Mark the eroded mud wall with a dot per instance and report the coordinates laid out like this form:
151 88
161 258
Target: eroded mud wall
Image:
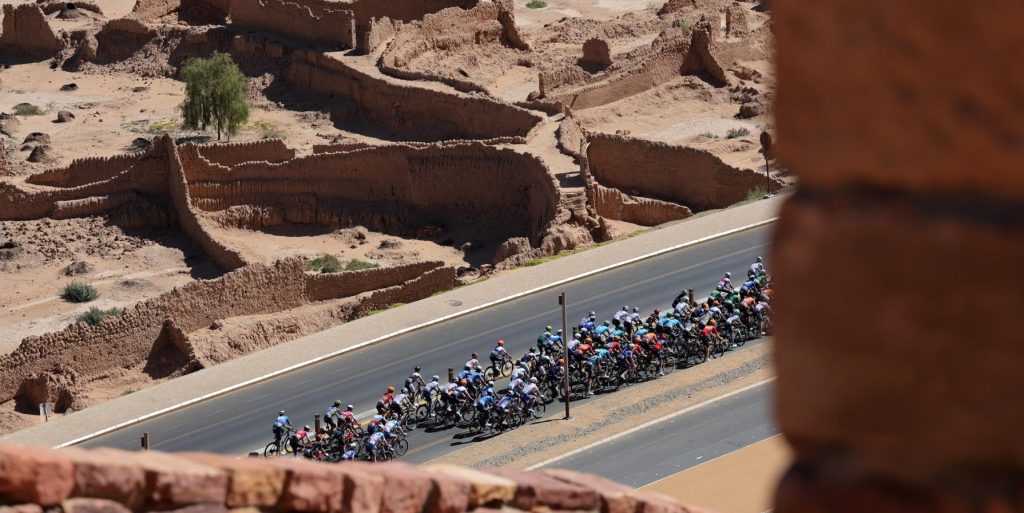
26 34
230 154
412 112
127 340
319 21
694 178
390 188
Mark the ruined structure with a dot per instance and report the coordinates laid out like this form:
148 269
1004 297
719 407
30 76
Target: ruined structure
26 34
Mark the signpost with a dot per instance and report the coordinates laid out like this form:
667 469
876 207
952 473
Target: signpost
766 148
565 349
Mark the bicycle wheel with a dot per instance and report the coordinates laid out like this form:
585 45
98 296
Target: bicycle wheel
539 408
422 413
401 447
468 413
491 373
515 420
506 368
270 450
719 348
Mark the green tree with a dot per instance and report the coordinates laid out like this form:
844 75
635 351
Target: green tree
214 94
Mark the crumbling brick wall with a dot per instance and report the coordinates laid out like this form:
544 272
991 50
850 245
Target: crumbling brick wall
127 340
111 480
26 34
690 177
320 21
903 393
232 154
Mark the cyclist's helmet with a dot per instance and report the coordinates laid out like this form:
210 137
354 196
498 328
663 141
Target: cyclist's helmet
711 322
561 361
435 377
533 350
490 383
728 275
559 332
759 259
306 427
350 407
417 369
378 418
501 342
337 402
475 355
391 389
607 323
533 380
636 310
463 382
548 328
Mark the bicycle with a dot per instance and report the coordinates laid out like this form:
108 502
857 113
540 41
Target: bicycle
274 449
499 369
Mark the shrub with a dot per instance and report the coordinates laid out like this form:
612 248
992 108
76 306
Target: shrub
27 109
267 129
79 292
537 4
324 264
94 315
709 135
164 127
128 391
737 132
214 94
685 26
359 265
756 193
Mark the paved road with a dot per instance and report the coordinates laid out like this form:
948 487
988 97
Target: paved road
240 421
680 443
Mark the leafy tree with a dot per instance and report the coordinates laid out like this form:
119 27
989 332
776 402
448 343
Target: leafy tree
214 94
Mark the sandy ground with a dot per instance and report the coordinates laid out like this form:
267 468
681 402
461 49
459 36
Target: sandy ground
125 266
616 411
346 244
742 481
593 9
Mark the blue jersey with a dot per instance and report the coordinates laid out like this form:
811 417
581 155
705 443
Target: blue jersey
601 330
485 401
282 421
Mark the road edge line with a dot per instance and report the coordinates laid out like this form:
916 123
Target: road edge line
425 324
648 424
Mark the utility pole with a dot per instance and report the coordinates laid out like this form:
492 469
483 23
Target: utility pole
145 441
766 148
565 353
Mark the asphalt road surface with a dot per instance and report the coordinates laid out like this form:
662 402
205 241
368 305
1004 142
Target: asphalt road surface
240 422
677 444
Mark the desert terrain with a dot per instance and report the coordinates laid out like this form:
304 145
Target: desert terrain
421 144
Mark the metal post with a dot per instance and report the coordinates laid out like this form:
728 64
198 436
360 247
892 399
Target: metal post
451 375
689 292
565 350
316 423
768 174
145 441
766 148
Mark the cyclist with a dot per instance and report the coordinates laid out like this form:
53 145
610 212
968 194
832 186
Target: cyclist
474 361
385 401
529 393
375 424
301 438
502 407
725 284
351 452
414 382
757 268
622 315
378 439
398 404
498 354
350 418
750 288
709 336
281 425
484 406
543 339
330 416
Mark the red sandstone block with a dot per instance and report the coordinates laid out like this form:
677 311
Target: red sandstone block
34 475
451 494
196 508
909 359
176 481
22 508
890 112
250 482
406 489
363 492
310 487
537 489
801 493
90 505
615 497
106 476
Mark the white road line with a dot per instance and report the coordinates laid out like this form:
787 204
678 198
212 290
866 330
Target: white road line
421 325
647 424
